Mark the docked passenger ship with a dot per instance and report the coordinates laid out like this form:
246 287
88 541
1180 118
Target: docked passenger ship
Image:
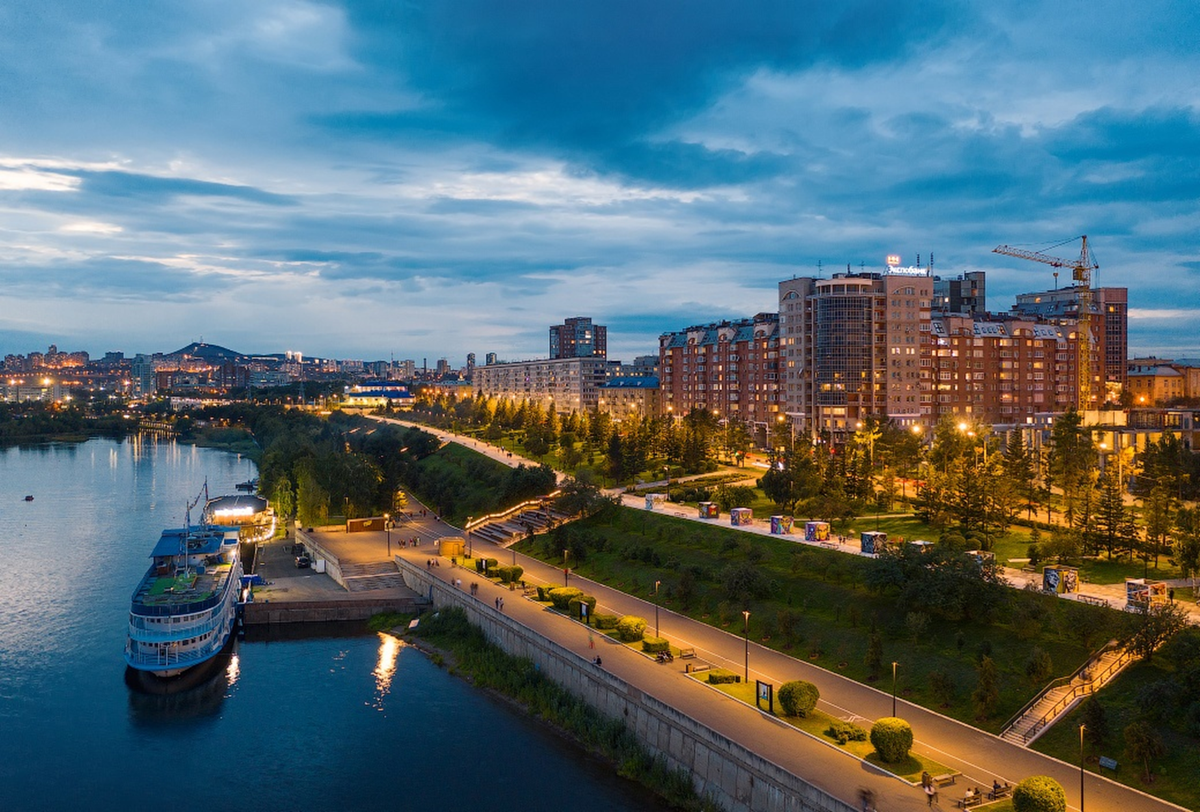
185 608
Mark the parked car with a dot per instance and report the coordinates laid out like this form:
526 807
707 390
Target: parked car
303 561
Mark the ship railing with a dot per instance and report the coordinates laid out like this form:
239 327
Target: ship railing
158 633
171 659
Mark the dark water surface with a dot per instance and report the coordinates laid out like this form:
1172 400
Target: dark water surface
330 720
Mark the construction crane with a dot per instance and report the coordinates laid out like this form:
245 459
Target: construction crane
1081 274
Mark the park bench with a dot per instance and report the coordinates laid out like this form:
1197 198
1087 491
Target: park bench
997 793
973 800
1094 601
529 590
687 653
696 669
945 779
1108 763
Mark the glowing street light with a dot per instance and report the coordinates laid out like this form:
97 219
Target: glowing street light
746 629
894 687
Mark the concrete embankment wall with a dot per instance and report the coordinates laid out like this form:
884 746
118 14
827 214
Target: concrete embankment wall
736 778
333 567
267 612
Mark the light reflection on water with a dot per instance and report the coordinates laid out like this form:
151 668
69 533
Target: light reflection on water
385 667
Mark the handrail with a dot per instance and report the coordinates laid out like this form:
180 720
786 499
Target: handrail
1083 689
504 514
1057 683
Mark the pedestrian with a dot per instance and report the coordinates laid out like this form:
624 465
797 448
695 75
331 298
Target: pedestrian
929 794
591 640
1171 594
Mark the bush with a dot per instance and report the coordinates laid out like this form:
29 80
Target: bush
892 738
508 575
583 600
723 679
631 628
601 621
798 698
490 563
1039 793
543 592
653 645
561 596
843 732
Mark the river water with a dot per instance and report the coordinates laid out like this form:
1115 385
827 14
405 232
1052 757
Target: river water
323 719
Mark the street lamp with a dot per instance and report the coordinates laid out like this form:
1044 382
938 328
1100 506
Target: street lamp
566 570
1081 729
894 688
467 527
667 471
746 629
387 525
656 585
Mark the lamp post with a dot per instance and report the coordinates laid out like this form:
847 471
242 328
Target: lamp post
467 528
746 629
566 570
667 471
894 687
1081 729
656 585
346 511
387 525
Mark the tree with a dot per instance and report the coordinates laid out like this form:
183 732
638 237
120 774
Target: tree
942 686
892 738
1095 721
1115 528
1158 511
1186 549
1143 743
987 692
1072 455
1153 624
744 582
1039 793
1039 666
874 658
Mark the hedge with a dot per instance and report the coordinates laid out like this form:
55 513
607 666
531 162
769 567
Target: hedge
602 621
509 575
561 597
892 738
843 732
653 645
798 698
1039 793
631 628
583 600
722 679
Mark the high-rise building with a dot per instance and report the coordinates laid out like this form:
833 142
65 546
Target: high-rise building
578 338
965 294
731 368
470 364
855 346
563 384
490 358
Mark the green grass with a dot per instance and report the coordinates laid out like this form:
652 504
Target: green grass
826 589
817 722
1176 774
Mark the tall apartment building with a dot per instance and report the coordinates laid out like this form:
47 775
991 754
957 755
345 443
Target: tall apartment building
1110 327
578 338
854 346
730 367
564 384
966 294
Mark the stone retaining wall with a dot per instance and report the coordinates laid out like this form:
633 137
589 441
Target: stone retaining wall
333 567
736 778
265 612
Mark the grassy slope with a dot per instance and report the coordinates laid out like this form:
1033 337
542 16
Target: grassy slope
826 587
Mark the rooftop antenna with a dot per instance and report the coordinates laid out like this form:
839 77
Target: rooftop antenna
931 261
918 259
1056 280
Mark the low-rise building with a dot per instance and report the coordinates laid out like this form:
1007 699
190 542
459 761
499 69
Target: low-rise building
564 384
630 397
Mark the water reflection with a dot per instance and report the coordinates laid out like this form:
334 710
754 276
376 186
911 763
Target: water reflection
385 667
196 694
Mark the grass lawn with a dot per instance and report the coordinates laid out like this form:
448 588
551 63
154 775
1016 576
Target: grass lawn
817 722
631 549
1177 773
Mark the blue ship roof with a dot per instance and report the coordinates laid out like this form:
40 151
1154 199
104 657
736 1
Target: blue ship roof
206 541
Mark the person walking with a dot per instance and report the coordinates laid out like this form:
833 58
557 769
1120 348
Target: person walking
930 794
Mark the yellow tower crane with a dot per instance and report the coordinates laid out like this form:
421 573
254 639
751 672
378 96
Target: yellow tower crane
1081 274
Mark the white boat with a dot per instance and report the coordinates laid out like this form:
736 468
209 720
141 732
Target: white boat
185 607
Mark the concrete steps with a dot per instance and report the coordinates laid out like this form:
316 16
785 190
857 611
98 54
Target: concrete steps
1059 699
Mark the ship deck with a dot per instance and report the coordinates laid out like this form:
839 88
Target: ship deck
181 590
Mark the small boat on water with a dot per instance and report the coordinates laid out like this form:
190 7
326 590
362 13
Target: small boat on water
29 498
249 485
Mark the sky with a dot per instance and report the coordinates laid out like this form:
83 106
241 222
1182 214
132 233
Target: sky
427 179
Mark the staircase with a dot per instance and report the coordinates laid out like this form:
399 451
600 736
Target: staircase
515 524
1064 693
369 577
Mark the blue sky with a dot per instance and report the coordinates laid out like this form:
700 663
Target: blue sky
427 179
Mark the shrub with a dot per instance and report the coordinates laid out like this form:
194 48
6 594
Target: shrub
653 645
1039 793
892 738
601 621
843 732
631 628
561 596
798 698
583 600
490 563
723 679
543 593
508 575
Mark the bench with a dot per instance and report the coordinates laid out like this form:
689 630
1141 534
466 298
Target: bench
696 669
964 803
1094 601
997 793
945 779
1108 763
687 653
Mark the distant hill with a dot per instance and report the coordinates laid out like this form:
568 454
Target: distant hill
209 352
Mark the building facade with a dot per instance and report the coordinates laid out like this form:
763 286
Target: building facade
630 397
731 368
564 384
578 338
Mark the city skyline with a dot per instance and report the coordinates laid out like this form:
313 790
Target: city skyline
355 182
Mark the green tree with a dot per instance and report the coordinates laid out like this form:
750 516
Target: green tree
798 698
1115 528
987 691
1039 793
1095 721
1143 743
892 738
1152 625
1186 549
874 658
1072 456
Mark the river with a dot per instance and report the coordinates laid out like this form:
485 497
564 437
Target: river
321 719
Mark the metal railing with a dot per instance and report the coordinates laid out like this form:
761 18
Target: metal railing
512 511
1058 683
1094 682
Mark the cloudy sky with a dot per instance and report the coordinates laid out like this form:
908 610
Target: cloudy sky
427 179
